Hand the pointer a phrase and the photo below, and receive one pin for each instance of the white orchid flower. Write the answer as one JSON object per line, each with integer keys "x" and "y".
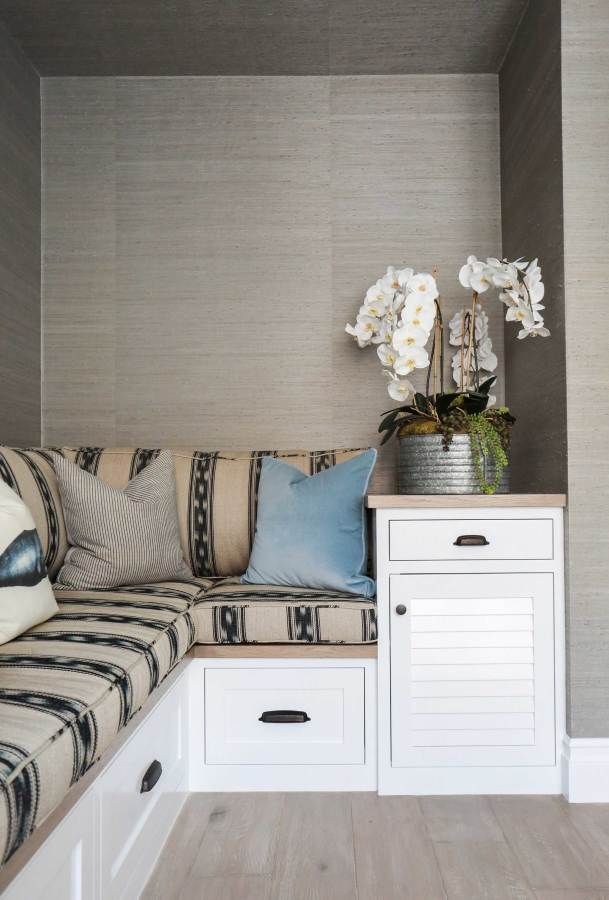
{"x": 399, "y": 389}
{"x": 373, "y": 307}
{"x": 510, "y": 297}
{"x": 361, "y": 342}
{"x": 390, "y": 280}
{"x": 423, "y": 285}
{"x": 415, "y": 358}
{"x": 505, "y": 275}
{"x": 533, "y": 283}
{"x": 487, "y": 360}
{"x": 387, "y": 355}
{"x": 419, "y": 311}
{"x": 481, "y": 279}
{"x": 404, "y": 276}
{"x": 476, "y": 275}
{"x": 376, "y": 295}
{"x": 465, "y": 272}
{"x": 364, "y": 330}
{"x": 521, "y": 313}
{"x": 538, "y": 330}
{"x": 408, "y": 336}
{"x": 384, "y": 332}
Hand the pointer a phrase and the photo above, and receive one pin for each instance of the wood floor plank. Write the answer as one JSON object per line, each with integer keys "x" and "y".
{"x": 315, "y": 859}
{"x": 592, "y": 822}
{"x": 231, "y": 887}
{"x": 481, "y": 871}
{"x": 460, "y": 819}
{"x": 548, "y": 846}
{"x": 180, "y": 850}
{"x": 394, "y": 858}
{"x": 240, "y": 837}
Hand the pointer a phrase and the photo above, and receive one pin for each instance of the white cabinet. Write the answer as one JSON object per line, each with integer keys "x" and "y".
{"x": 472, "y": 670}
{"x": 65, "y": 867}
{"x": 471, "y": 648}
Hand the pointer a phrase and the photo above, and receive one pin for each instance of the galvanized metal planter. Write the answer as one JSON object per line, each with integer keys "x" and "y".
{"x": 424, "y": 467}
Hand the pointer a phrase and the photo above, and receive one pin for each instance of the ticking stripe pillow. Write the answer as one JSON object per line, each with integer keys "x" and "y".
{"x": 120, "y": 537}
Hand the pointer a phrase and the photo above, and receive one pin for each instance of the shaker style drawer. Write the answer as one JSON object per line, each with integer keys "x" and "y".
{"x": 285, "y": 716}
{"x": 141, "y": 794}
{"x": 470, "y": 539}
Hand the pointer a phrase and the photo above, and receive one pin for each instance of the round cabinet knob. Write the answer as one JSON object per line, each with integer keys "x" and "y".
{"x": 401, "y": 610}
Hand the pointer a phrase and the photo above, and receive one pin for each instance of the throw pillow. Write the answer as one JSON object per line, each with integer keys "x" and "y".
{"x": 120, "y": 537}
{"x": 26, "y": 597}
{"x": 311, "y": 529}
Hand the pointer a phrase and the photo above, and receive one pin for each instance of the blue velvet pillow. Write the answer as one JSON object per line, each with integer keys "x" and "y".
{"x": 311, "y": 529}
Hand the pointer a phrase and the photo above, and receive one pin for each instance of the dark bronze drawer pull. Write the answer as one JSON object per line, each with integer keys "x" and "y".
{"x": 284, "y": 715}
{"x": 471, "y": 540}
{"x": 401, "y": 610}
{"x": 151, "y": 776}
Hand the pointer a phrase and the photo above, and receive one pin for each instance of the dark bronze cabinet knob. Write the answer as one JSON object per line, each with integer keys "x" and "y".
{"x": 401, "y": 610}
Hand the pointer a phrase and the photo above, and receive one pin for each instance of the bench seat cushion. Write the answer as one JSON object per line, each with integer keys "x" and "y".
{"x": 69, "y": 685}
{"x": 234, "y": 613}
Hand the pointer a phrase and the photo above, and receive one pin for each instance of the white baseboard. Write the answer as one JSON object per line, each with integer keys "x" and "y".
{"x": 586, "y": 770}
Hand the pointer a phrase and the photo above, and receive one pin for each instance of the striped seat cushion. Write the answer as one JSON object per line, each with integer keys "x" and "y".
{"x": 68, "y": 686}
{"x": 234, "y": 613}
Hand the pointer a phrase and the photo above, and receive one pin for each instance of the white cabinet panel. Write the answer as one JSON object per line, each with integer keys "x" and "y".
{"x": 480, "y": 695}
{"x": 237, "y": 699}
{"x": 134, "y": 824}
{"x": 65, "y": 867}
{"x": 450, "y": 539}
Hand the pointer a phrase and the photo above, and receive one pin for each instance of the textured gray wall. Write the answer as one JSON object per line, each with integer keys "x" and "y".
{"x": 19, "y": 246}
{"x": 585, "y": 88}
{"x": 206, "y": 239}
{"x": 532, "y": 222}
{"x": 262, "y": 37}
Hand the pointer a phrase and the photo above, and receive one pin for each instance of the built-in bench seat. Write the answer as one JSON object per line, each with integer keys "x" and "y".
{"x": 69, "y": 686}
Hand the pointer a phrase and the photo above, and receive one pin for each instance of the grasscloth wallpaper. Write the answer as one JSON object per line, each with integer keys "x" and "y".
{"x": 19, "y": 246}
{"x": 532, "y": 220}
{"x": 585, "y": 61}
{"x": 206, "y": 239}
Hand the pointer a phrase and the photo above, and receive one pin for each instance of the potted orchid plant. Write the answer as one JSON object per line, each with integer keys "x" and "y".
{"x": 402, "y": 316}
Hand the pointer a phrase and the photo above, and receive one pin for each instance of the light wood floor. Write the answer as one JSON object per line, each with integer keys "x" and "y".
{"x": 345, "y": 846}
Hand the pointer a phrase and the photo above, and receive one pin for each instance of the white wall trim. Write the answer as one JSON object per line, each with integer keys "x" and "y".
{"x": 585, "y": 770}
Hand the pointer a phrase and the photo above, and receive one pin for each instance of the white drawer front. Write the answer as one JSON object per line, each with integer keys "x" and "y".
{"x": 448, "y": 539}
{"x": 333, "y": 700}
{"x": 134, "y": 824}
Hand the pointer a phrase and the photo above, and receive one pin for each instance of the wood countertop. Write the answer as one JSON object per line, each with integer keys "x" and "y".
{"x": 463, "y": 501}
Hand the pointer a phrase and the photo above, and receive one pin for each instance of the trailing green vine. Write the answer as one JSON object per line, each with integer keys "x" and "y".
{"x": 486, "y": 445}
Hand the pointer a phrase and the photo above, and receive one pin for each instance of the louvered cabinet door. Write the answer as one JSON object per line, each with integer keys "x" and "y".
{"x": 472, "y": 670}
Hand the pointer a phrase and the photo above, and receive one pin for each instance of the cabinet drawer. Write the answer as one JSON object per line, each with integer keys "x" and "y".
{"x": 236, "y": 731}
{"x": 448, "y": 539}
{"x": 135, "y": 824}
